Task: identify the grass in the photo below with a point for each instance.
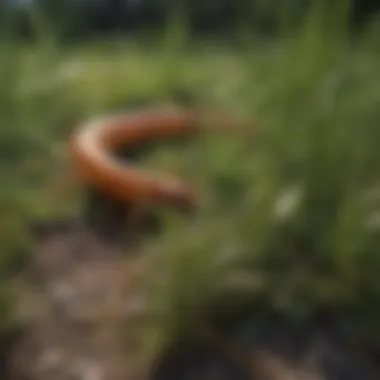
(291, 218)
(292, 226)
(46, 91)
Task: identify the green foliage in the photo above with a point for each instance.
(45, 90)
(293, 221)
(290, 216)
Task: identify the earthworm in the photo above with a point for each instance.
(92, 145)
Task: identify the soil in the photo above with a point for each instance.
(81, 311)
(78, 294)
(75, 297)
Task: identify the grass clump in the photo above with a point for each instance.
(293, 223)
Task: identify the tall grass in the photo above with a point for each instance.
(293, 223)
(47, 88)
(290, 218)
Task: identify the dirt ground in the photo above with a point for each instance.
(80, 300)
(76, 309)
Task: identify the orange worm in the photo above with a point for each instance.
(91, 149)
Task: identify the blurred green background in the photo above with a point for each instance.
(292, 219)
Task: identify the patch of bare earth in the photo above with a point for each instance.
(76, 311)
(82, 310)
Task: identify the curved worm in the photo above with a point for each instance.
(92, 146)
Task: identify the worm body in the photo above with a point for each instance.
(93, 145)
